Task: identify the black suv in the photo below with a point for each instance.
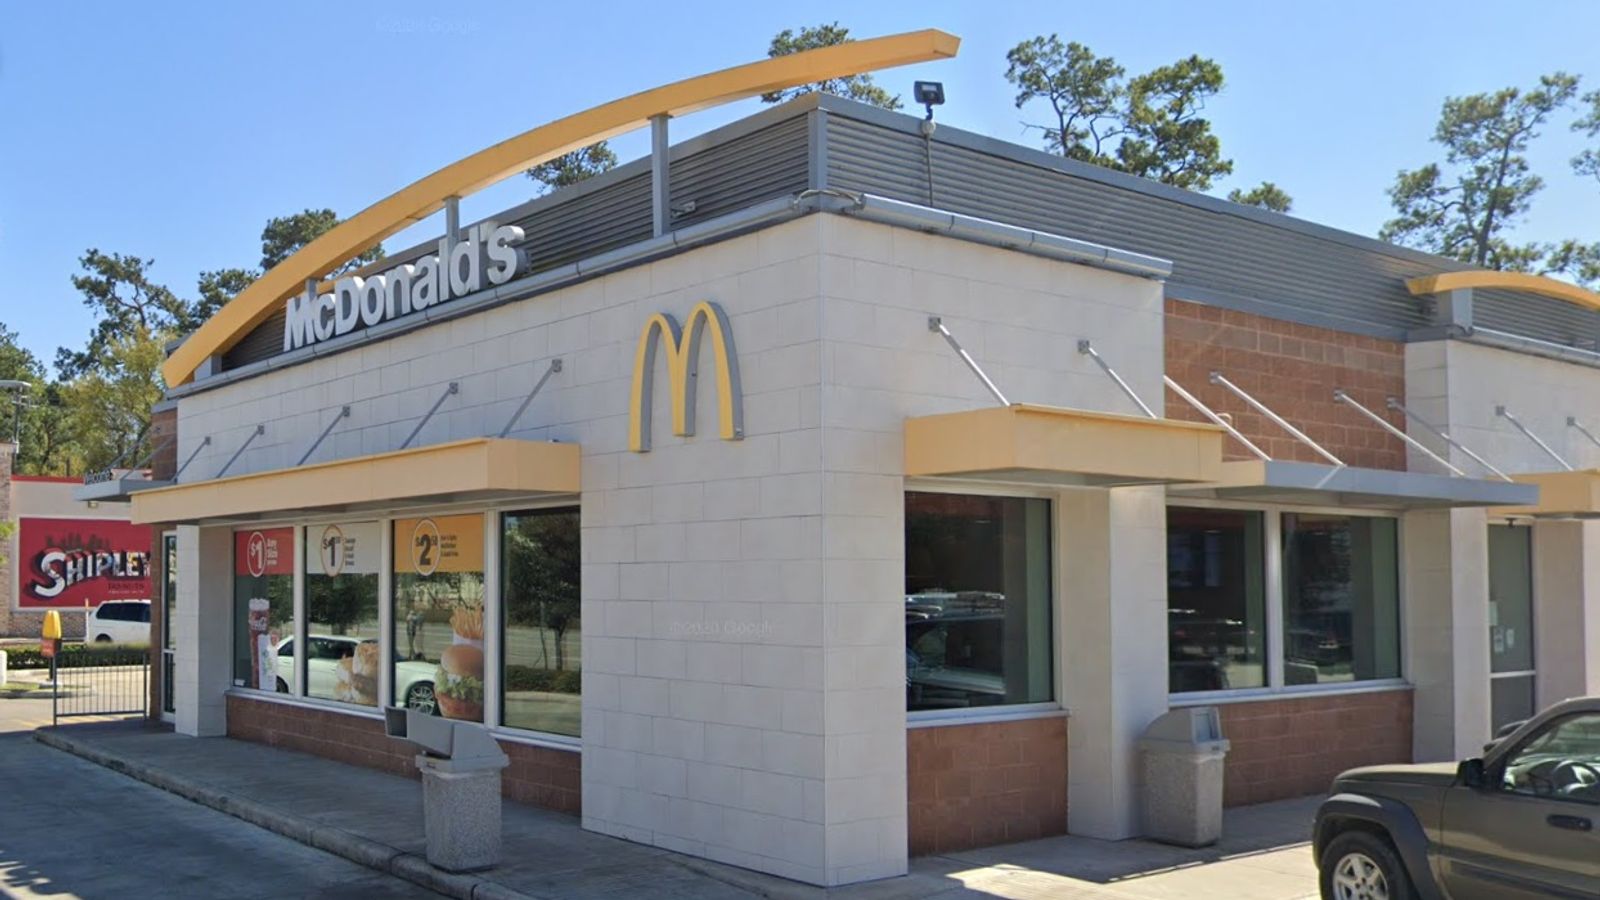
(1521, 822)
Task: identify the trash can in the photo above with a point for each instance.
(1182, 757)
(460, 764)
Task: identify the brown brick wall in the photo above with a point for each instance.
(1292, 748)
(163, 435)
(976, 785)
(538, 776)
(1293, 369)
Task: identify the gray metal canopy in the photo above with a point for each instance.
(1314, 484)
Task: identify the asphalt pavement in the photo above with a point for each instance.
(70, 828)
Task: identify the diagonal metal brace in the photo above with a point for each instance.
(1215, 419)
(344, 413)
(260, 430)
(555, 366)
(1443, 435)
(936, 325)
(1572, 422)
(454, 388)
(1504, 413)
(1383, 423)
(1217, 378)
(1087, 348)
(204, 443)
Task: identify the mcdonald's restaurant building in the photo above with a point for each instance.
(815, 495)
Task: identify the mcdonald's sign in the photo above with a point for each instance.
(683, 369)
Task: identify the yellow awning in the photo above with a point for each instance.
(459, 471)
(1028, 444)
(1562, 495)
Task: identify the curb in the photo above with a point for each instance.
(353, 847)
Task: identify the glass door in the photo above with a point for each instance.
(169, 606)
(1511, 679)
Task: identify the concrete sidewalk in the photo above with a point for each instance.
(376, 819)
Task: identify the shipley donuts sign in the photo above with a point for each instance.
(67, 563)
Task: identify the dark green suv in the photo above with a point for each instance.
(1521, 822)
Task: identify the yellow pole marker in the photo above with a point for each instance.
(420, 199)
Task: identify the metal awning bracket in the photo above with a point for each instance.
(1218, 379)
(204, 443)
(344, 413)
(260, 430)
(1215, 419)
(453, 388)
(1443, 435)
(1381, 422)
(1572, 422)
(1504, 413)
(936, 325)
(1087, 348)
(555, 366)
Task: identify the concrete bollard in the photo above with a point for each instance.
(2, 667)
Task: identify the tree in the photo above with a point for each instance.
(1265, 195)
(216, 288)
(1084, 91)
(118, 289)
(1149, 125)
(856, 87)
(543, 574)
(285, 234)
(107, 407)
(571, 168)
(1467, 212)
(1587, 163)
(38, 429)
(1167, 139)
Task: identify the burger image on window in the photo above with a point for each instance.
(458, 684)
(357, 675)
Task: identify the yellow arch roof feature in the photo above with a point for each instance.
(426, 196)
(1509, 281)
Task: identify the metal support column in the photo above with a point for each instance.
(660, 175)
(454, 388)
(1218, 379)
(555, 366)
(1444, 436)
(936, 325)
(1087, 348)
(1504, 413)
(1383, 423)
(1215, 419)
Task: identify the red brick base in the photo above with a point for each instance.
(976, 785)
(538, 776)
(1292, 748)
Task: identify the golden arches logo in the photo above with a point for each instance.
(683, 371)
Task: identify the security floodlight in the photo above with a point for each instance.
(11, 384)
(929, 94)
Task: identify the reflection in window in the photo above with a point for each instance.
(438, 615)
(1216, 600)
(1340, 599)
(343, 660)
(263, 607)
(978, 630)
(1563, 762)
(543, 632)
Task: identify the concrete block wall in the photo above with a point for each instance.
(1294, 370)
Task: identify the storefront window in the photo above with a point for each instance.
(978, 630)
(543, 632)
(342, 655)
(1340, 598)
(1216, 600)
(438, 615)
(263, 609)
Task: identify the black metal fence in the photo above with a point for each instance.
(110, 681)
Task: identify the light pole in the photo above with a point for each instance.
(17, 389)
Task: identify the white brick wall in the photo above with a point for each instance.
(743, 617)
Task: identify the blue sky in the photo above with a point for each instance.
(175, 131)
